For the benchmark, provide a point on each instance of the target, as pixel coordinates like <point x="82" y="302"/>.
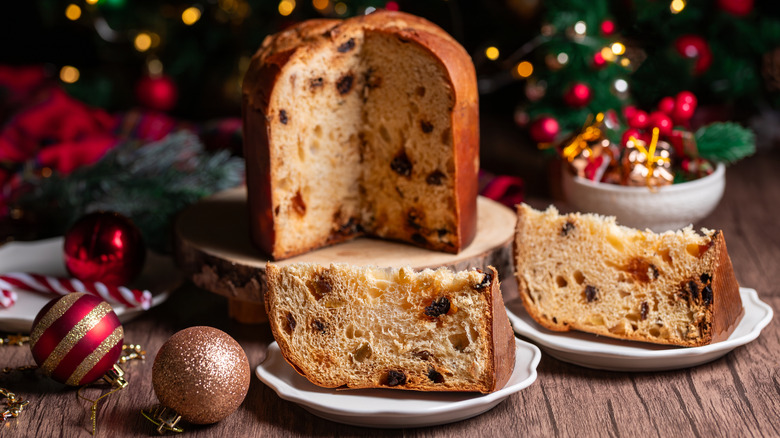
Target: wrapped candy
<point x="589" y="152"/>
<point x="645" y="165"/>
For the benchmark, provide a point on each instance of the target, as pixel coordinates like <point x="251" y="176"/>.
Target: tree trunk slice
<point x="214" y="249"/>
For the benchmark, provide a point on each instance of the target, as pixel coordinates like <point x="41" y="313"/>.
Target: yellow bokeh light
<point x="491" y="53"/>
<point x="73" y="12"/>
<point x="142" y="42"/>
<point x="286" y="7"/>
<point x="618" y="49"/>
<point x="340" y="8"/>
<point x="69" y="74"/>
<point x="524" y="69"/>
<point x="625" y="62"/>
<point x="677" y="6"/>
<point x="190" y="15"/>
<point x="608" y="54"/>
<point x="320" y="4"/>
<point x="91" y="2"/>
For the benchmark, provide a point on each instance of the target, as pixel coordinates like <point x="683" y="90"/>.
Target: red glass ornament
<point x="76" y="339"/>
<point x="695" y="47"/>
<point x="105" y="247"/>
<point x="662" y="121"/>
<point x="638" y="120"/>
<point x="578" y="95"/>
<point x="607" y="27"/>
<point x="599" y="61"/>
<point x="157" y="93"/>
<point x="666" y="105"/>
<point x="544" y="129"/>
<point x="740" y="8"/>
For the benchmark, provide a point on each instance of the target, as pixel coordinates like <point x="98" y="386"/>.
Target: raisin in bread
<point x="363" y="126"/>
<point x="361" y="327"/>
<point x="584" y="272"/>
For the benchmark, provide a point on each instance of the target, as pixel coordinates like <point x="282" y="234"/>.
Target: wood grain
<point x="213" y="248"/>
<point x="737" y="395"/>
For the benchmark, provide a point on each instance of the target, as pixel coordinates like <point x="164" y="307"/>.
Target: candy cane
<point x="7" y="298"/>
<point x="63" y="286"/>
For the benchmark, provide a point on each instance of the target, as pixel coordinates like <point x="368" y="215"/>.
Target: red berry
<point x="629" y="111"/>
<point x="661" y="121"/>
<point x="666" y="105"/>
<point x="739" y="8"/>
<point x="630" y="132"/>
<point x="685" y="105"/>
<point x="638" y="120"/>
<point x="686" y="96"/>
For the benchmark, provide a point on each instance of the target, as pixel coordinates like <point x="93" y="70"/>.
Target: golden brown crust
<point x="503" y="344"/>
<point x="727" y="306"/>
<point x="277" y="50"/>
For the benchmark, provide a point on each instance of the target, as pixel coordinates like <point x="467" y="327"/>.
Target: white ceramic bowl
<point x="667" y="208"/>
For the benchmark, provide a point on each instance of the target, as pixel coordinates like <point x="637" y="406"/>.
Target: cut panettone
<point x="360" y="327"/>
<point x="363" y="126"/>
<point x="584" y="272"/>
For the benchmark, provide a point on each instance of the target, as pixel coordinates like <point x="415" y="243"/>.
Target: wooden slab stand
<point x="214" y="250"/>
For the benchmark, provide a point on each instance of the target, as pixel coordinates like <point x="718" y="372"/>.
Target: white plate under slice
<point x="615" y="355"/>
<point x="389" y="408"/>
<point x="45" y="257"/>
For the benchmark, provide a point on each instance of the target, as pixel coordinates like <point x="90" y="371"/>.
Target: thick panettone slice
<point x="363" y="126"/>
<point x="584" y="272"/>
<point x="359" y="327"/>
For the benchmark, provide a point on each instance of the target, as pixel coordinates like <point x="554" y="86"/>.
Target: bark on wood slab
<point x="214" y="250"/>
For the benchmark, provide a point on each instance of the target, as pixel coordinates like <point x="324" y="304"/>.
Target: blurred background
<point x="121" y="71"/>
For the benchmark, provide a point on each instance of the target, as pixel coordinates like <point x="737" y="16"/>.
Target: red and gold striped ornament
<point x="76" y="339"/>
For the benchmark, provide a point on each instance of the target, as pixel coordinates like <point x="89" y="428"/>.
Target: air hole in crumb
<point x="578" y="277"/>
<point x="561" y="281"/>
<point x="459" y="341"/>
<point x="384" y="134"/>
<point x="426" y="126"/>
<point x="624" y="293"/>
<point x="632" y="317"/>
<point x="375" y="292"/>
<point x="666" y="255"/>
<point x="297" y="203"/>
<point x="615" y="242"/>
<point x="420" y="91"/>
<point x="301" y="152"/>
<point x="692" y="249"/>
<point x="362" y="353"/>
<point x="413" y="108"/>
<point x="446" y="136"/>
<point x="314" y="148"/>
<point x="654" y="332"/>
<point x="318" y="131"/>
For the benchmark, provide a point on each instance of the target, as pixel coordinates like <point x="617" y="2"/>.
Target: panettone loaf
<point x="363" y="126"/>
<point x="584" y="272"/>
<point x="361" y="327"/>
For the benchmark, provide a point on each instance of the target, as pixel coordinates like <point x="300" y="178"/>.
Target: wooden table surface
<point x="736" y="395"/>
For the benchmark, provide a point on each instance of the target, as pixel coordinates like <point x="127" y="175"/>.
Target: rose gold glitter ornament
<point x="202" y="374"/>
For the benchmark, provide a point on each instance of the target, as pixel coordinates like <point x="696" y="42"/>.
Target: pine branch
<point x="725" y="142"/>
<point x="149" y="183"/>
